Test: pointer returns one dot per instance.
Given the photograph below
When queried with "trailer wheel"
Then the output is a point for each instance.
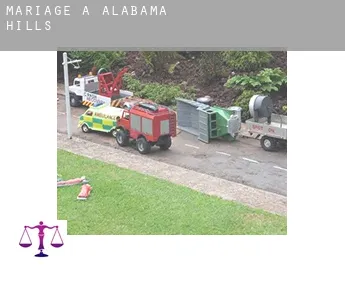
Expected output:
(143, 146)
(167, 144)
(122, 138)
(85, 128)
(268, 143)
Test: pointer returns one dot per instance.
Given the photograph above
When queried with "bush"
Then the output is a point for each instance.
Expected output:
(158, 60)
(131, 84)
(106, 59)
(247, 60)
(266, 81)
(163, 94)
(211, 65)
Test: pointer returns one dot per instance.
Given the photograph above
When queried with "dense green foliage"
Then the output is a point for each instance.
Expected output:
(163, 94)
(247, 60)
(159, 61)
(266, 81)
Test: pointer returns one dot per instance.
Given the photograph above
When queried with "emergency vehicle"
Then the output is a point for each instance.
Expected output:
(148, 124)
(101, 118)
(102, 88)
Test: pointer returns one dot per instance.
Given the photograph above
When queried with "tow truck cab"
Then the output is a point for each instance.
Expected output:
(83, 84)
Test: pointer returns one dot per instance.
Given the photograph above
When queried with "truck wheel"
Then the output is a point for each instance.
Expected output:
(122, 138)
(167, 144)
(143, 146)
(85, 128)
(73, 100)
(113, 132)
(268, 143)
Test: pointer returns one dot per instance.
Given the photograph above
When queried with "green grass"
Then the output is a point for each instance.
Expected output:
(126, 202)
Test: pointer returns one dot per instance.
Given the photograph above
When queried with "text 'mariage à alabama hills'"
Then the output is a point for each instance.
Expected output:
(13, 24)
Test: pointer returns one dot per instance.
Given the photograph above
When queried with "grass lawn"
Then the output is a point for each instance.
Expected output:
(126, 202)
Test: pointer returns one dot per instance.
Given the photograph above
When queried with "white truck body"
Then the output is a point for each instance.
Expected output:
(276, 129)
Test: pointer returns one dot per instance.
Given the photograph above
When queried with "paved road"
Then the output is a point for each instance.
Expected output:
(243, 161)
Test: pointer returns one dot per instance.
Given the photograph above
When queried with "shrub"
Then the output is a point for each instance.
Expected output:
(163, 94)
(132, 84)
(106, 59)
(211, 65)
(158, 60)
(266, 81)
(160, 93)
(247, 60)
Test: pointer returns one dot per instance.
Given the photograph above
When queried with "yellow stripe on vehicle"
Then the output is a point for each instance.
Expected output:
(88, 119)
(107, 122)
(97, 126)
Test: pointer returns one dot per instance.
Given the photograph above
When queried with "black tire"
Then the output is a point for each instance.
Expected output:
(122, 138)
(268, 144)
(85, 128)
(143, 146)
(74, 102)
(167, 143)
(113, 133)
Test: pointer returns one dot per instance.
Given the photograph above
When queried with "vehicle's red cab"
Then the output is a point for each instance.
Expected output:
(148, 123)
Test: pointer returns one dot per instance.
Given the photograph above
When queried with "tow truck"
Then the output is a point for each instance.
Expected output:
(102, 88)
(148, 124)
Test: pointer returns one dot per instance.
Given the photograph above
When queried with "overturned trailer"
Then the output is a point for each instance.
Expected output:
(208, 122)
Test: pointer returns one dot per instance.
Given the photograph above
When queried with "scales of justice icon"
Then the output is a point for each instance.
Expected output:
(56, 244)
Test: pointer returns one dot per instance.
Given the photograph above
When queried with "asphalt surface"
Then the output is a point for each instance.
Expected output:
(242, 161)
